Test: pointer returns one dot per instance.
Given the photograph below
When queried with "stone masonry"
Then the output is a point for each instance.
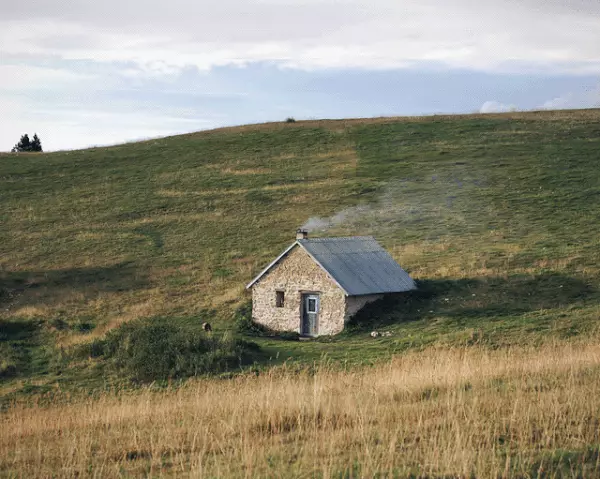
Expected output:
(295, 274)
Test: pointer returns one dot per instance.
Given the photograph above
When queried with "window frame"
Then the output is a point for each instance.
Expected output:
(279, 298)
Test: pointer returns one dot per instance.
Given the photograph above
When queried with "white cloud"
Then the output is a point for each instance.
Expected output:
(502, 35)
(560, 102)
(26, 77)
(496, 107)
(68, 56)
(572, 100)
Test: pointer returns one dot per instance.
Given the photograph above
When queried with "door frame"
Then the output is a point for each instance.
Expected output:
(303, 297)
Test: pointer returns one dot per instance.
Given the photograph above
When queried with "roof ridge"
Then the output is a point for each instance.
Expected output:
(326, 238)
(361, 267)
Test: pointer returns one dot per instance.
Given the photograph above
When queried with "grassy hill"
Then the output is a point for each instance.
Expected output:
(497, 216)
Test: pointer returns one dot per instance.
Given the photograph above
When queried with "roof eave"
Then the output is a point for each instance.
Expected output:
(370, 293)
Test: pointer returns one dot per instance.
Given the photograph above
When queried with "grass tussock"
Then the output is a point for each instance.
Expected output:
(462, 412)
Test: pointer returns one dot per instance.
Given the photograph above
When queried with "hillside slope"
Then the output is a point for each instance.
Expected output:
(497, 215)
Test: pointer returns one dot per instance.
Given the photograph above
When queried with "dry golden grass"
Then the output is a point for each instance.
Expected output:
(443, 412)
(30, 312)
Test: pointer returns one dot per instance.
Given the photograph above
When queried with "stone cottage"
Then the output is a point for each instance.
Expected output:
(316, 285)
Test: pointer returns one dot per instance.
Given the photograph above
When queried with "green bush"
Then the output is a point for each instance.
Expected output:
(95, 349)
(84, 326)
(244, 323)
(158, 349)
(8, 368)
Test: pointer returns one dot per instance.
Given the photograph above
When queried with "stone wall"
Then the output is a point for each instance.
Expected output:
(295, 274)
(356, 303)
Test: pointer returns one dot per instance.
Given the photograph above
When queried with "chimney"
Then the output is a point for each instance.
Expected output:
(301, 234)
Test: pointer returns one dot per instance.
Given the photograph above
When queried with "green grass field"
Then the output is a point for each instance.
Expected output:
(497, 216)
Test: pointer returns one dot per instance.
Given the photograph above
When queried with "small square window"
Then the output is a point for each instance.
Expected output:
(279, 298)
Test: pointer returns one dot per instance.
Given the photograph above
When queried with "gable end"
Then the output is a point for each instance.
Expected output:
(283, 255)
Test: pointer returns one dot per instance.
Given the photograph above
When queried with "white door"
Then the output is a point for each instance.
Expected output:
(310, 314)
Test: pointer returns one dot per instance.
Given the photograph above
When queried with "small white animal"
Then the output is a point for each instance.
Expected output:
(375, 334)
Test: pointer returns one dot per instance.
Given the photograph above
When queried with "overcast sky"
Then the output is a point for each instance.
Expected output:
(82, 72)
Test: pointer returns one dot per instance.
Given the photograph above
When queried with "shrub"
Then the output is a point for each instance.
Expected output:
(290, 120)
(95, 349)
(8, 368)
(244, 323)
(84, 326)
(158, 349)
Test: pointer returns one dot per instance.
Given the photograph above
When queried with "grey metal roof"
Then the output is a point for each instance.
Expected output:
(358, 264)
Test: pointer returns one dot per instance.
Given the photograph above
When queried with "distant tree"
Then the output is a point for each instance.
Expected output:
(290, 120)
(25, 144)
(36, 144)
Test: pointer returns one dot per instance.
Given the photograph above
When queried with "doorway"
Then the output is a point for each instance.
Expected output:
(310, 314)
